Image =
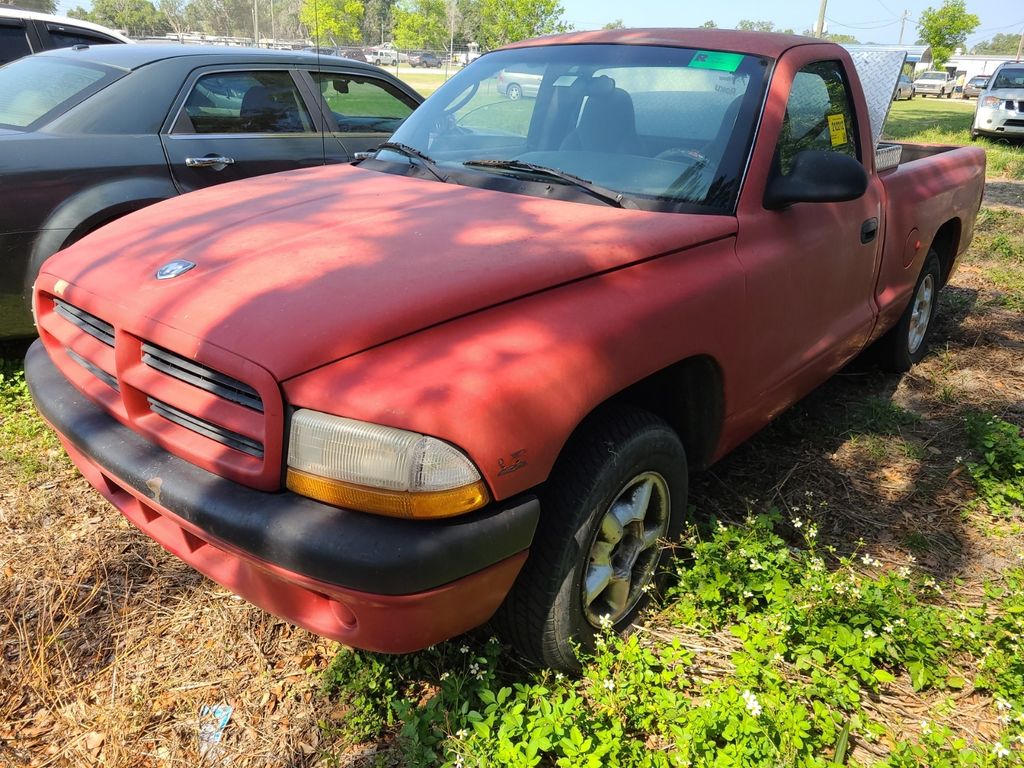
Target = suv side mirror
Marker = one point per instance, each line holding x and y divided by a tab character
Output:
817	177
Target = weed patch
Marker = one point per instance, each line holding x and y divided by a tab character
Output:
999	471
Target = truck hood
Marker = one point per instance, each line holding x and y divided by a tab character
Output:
299	269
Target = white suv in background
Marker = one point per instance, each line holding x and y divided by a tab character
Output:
26	32
934	83
1000	108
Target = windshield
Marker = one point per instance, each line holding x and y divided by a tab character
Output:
666	128
1009	78
35	89
933	76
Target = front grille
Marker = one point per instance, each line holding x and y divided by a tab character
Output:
208	416
200	376
1014	123
92	325
206	428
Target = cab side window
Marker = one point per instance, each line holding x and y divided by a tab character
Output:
363	104
818	115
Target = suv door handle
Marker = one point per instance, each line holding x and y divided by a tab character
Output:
208	162
868	230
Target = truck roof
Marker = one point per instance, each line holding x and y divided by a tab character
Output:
769	44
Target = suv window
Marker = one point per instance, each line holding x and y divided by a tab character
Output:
245	102
13	43
363	104
818	114
64	37
1009	78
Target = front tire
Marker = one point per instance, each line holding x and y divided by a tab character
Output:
907	342
617	492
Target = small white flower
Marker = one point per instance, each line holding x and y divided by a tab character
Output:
903	572
926	727
816	564
797	522
747	593
599	641
911	559
753	705
755	565
559	676
609	685
959	459
1002	703
999	750
463	649
462	734
808	493
493	640
1004	719
869	633
445	675
869	560
474	668
888	629
812	531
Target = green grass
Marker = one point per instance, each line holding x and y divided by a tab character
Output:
944	121
425	83
26	444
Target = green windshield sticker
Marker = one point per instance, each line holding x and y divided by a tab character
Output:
724	62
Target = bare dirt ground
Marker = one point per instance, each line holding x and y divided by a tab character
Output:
1005	193
111	646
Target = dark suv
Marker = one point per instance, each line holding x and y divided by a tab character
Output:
26	32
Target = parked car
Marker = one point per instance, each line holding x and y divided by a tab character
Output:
385	55
356	54
904	88
26	32
468	375
1000	108
516	84
975	86
937	84
425	59
89	135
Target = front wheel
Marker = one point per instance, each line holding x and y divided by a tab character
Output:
617	493
907	342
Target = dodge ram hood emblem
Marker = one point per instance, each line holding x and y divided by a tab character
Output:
174	268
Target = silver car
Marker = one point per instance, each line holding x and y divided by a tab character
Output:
904	89
975	86
1000	110
523	81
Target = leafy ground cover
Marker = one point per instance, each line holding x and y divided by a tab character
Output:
851	594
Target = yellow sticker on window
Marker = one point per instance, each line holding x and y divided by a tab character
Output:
837	129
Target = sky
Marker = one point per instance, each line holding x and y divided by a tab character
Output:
876	21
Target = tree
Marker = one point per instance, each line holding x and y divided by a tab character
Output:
136	17
947	28
1001	45
709	24
833	37
422	24
334	22
173	12
42	6
617	24
378	21
506	21
761	26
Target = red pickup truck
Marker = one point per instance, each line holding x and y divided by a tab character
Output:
466	377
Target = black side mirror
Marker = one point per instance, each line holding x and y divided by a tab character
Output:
340	86
817	177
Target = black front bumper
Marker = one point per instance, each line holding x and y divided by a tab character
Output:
346	548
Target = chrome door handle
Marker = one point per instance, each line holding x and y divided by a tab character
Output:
208	162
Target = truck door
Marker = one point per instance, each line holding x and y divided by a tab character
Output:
237	123
811	268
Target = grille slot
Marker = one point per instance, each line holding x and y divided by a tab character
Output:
202	377
90	324
95	370
206	429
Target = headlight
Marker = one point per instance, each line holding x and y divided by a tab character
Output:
378	469
991	101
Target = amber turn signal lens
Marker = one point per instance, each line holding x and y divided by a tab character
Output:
410	504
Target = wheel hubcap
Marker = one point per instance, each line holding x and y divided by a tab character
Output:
921	315
625	549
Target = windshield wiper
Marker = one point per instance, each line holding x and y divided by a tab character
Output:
610	196
428	162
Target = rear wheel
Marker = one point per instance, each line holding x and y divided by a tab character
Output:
514	92
907	343
617	493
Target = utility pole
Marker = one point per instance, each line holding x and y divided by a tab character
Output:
1020	45
256	21
820	28
903	23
